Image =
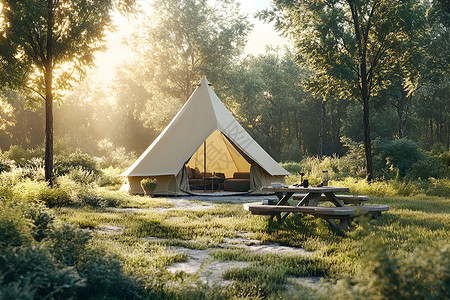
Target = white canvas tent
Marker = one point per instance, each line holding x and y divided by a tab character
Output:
229	148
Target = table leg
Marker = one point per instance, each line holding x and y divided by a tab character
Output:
285	198
334	199
305	199
314	201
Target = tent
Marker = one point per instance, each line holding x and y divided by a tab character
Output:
203	131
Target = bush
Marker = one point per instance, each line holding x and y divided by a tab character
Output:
423	274
427	168
63	265
105	277
292	167
149	185
36	266
23	290
99	198
83	161
68	244
19	155
5	165
42	220
81	176
396	156
354	162
15	230
55	197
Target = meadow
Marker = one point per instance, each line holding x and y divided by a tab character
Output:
86	240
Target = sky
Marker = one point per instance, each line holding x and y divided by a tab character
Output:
261	36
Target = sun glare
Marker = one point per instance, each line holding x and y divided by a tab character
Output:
118	52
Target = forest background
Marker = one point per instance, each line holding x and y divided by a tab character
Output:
277	96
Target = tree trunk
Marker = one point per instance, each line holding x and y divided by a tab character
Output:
431	133
48	77
364	89
402	112
367	141
322	126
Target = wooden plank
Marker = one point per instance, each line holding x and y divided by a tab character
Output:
323	212
333	199
346	199
340	197
315	189
257	208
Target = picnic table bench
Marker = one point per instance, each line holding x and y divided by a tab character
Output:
309	201
347	199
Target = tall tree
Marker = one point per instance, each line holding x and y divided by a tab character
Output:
46	45
350	44
183	40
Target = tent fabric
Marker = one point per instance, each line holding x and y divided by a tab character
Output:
202	118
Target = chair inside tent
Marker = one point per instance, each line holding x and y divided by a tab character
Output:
227	168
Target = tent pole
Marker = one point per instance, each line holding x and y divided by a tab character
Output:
204	165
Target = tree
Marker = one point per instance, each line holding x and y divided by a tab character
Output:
350	44
46	45
181	41
268	100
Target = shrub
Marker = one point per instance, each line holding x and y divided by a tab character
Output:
292	167
81	176
436	187
23	290
149	185
99	198
398	155
68	243
42	220
64	164
36	266
110	177
427	168
15	230
55	197
5	165
105	277
423	274
353	163
17	154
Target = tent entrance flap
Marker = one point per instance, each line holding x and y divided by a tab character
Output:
221	157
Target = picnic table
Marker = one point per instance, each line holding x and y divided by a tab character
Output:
309	199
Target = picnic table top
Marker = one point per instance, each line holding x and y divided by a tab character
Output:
310	189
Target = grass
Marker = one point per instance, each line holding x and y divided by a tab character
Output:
413	236
411	222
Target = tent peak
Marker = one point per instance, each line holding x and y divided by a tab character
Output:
204	81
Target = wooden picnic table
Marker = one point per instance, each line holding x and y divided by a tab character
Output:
309	204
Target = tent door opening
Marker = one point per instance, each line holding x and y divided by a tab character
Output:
217	166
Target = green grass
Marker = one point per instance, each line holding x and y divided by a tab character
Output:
410	223
412	237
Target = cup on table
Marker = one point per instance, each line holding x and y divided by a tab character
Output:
305	183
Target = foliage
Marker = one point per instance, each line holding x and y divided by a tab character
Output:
267	98
399	155
291	152
431	167
149	185
41	260
5	165
352	46
75	160
183	41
